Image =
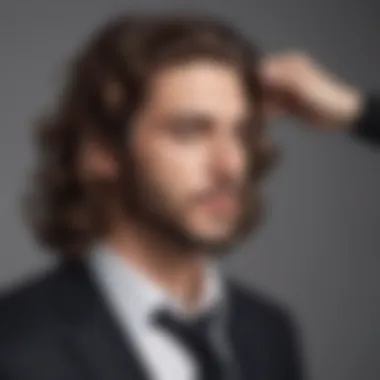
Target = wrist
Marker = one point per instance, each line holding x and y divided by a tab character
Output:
352	105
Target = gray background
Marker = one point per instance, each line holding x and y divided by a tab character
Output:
319	250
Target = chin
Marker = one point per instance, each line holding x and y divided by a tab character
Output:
215	239
216	231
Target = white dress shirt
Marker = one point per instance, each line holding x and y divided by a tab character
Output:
133	298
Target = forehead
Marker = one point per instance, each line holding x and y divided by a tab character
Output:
199	86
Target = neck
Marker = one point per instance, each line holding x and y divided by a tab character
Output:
177	270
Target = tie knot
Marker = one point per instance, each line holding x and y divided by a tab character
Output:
196	327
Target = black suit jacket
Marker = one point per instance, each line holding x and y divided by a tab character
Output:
58	328
367	126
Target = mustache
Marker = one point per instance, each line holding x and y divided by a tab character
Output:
234	191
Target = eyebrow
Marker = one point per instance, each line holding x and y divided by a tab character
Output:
204	116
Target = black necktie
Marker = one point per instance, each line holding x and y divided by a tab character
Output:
195	336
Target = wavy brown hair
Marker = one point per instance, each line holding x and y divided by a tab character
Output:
105	86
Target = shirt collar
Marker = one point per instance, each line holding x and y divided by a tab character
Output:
137	297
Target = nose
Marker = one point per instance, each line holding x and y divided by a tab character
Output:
230	158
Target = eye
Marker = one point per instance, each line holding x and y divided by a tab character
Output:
188	129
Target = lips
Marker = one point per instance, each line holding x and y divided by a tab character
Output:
221	204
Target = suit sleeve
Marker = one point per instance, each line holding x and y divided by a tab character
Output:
367	126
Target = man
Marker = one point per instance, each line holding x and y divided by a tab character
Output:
149	169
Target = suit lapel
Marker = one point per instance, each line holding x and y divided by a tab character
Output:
243	337
94	340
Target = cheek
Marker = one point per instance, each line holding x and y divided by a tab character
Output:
178	170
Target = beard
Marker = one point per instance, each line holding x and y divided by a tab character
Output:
147	203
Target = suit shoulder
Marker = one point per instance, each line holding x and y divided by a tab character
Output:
255	305
271	323
22	293
25	305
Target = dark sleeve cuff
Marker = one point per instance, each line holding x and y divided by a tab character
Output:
367	126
